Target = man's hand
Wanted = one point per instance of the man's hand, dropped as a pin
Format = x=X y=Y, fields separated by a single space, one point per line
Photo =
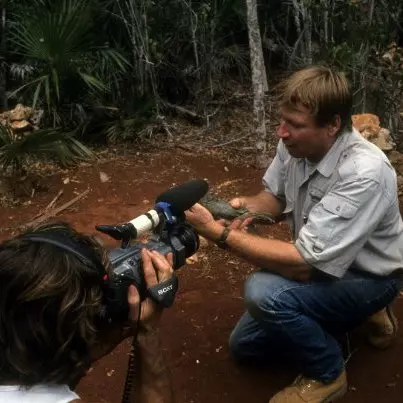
x=239 y=202
x=263 y=202
x=200 y=218
x=157 y=269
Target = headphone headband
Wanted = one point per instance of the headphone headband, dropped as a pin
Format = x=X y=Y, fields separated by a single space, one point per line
x=66 y=243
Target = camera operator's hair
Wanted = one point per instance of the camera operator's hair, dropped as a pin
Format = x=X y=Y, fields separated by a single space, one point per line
x=49 y=303
x=323 y=91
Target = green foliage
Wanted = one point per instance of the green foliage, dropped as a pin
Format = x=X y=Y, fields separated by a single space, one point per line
x=58 y=42
x=43 y=145
x=106 y=66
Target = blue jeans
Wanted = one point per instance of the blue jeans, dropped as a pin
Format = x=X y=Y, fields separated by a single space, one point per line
x=299 y=320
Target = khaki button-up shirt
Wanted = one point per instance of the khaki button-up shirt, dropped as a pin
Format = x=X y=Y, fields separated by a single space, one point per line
x=343 y=211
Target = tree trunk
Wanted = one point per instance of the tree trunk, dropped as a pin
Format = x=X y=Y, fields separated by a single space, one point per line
x=371 y=12
x=258 y=81
x=3 y=64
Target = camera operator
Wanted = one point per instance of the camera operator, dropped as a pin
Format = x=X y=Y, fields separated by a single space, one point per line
x=51 y=327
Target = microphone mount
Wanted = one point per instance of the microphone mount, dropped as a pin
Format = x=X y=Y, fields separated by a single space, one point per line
x=124 y=232
x=119 y=232
x=168 y=211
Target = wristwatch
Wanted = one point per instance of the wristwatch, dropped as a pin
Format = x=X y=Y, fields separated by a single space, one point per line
x=222 y=241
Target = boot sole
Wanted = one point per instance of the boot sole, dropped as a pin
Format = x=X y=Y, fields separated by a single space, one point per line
x=336 y=395
x=388 y=342
x=392 y=319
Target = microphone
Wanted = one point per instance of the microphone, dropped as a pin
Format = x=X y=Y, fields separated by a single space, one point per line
x=180 y=198
x=169 y=205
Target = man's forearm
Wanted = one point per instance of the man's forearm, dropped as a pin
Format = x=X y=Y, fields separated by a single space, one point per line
x=265 y=202
x=153 y=383
x=276 y=256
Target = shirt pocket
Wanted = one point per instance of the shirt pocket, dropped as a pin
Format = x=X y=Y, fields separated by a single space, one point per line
x=339 y=206
x=333 y=230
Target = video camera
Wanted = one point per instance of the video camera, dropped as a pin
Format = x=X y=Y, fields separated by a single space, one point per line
x=170 y=234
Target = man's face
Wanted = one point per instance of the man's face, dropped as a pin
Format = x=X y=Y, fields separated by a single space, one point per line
x=302 y=136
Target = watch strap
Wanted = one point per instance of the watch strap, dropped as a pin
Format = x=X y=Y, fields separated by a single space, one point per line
x=222 y=241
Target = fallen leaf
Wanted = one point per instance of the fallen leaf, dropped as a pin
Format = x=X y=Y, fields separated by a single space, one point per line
x=66 y=181
x=104 y=177
x=192 y=259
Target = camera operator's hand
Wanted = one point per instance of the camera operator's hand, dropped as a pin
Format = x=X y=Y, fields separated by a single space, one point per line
x=157 y=269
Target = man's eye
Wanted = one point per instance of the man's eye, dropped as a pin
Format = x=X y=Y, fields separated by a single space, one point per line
x=296 y=125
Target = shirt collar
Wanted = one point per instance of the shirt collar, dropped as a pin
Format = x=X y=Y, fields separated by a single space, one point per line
x=328 y=163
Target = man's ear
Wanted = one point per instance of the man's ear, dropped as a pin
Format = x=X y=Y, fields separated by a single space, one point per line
x=334 y=126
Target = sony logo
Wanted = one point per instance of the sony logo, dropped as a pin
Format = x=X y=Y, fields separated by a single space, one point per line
x=165 y=289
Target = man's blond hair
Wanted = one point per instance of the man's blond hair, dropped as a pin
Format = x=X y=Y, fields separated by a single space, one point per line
x=323 y=91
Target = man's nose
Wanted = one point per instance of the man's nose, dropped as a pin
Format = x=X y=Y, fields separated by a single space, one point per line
x=282 y=131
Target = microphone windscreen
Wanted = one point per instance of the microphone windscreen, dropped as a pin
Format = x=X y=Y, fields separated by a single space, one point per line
x=184 y=196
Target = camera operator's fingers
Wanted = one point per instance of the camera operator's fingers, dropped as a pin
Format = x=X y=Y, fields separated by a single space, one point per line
x=133 y=299
x=150 y=275
x=162 y=265
x=170 y=258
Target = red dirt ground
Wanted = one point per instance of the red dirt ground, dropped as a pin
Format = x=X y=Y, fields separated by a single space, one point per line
x=209 y=303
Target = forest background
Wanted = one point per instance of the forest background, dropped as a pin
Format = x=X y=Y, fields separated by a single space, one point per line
x=107 y=72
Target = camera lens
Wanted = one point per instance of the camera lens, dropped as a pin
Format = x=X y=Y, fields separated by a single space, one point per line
x=189 y=238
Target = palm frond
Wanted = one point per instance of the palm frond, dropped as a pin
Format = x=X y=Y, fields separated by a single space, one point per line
x=59 y=45
x=42 y=145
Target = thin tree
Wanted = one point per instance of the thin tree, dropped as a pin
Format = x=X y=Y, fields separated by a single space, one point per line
x=3 y=63
x=259 y=83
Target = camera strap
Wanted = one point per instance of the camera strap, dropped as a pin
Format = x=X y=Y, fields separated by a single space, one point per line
x=164 y=293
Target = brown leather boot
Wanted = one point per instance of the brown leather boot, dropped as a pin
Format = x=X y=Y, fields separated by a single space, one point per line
x=382 y=328
x=305 y=390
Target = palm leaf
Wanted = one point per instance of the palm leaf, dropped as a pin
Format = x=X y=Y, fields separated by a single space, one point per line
x=43 y=145
x=59 y=40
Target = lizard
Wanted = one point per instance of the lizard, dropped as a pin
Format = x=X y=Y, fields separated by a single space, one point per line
x=220 y=209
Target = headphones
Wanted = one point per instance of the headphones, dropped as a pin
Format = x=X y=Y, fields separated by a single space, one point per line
x=66 y=243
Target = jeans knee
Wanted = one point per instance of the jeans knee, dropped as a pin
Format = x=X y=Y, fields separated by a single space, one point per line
x=264 y=293
x=235 y=344
x=242 y=345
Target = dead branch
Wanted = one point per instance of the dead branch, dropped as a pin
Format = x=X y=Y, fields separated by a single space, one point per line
x=190 y=115
x=50 y=205
x=229 y=141
x=49 y=214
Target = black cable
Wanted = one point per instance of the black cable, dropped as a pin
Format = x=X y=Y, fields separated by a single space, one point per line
x=131 y=367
